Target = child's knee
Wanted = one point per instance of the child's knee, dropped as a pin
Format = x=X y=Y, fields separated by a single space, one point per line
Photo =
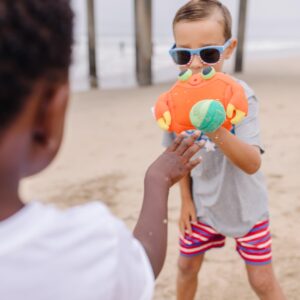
x=189 y=265
x=262 y=280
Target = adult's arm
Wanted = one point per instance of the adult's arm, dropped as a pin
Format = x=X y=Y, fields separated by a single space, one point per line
x=170 y=167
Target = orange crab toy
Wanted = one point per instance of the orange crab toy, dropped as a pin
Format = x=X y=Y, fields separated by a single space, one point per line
x=172 y=109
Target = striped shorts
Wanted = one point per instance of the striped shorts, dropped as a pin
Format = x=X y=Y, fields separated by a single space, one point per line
x=254 y=247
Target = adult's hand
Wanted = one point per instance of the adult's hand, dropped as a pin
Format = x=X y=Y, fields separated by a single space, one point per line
x=175 y=163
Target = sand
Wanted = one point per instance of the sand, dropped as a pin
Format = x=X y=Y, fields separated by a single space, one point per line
x=111 y=138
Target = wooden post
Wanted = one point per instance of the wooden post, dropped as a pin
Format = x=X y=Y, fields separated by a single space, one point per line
x=143 y=41
x=92 y=44
x=241 y=36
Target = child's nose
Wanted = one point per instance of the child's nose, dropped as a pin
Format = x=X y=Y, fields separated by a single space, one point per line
x=196 y=64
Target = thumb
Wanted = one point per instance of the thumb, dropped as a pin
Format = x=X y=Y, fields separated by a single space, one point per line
x=193 y=216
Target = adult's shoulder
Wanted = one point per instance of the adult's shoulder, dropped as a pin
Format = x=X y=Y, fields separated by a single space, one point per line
x=91 y=220
x=91 y=211
x=111 y=246
x=86 y=244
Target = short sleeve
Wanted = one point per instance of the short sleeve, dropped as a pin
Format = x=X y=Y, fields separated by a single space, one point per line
x=120 y=263
x=135 y=277
x=167 y=138
x=249 y=129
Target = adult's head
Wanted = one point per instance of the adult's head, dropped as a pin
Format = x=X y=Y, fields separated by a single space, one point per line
x=35 y=54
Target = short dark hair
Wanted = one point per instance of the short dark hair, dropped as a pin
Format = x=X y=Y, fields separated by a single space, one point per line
x=35 y=44
x=196 y=10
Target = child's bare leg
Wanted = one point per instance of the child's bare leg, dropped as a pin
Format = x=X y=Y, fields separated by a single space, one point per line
x=263 y=281
x=187 y=277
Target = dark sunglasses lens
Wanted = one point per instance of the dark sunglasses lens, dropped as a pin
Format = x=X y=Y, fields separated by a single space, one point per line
x=210 y=56
x=181 y=57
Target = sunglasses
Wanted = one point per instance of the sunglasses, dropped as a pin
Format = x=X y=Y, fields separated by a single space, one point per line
x=209 y=55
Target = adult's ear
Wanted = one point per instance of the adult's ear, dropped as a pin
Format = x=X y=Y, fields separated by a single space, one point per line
x=48 y=127
x=228 y=52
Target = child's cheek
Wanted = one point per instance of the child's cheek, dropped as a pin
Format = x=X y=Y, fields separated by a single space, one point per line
x=219 y=66
x=183 y=68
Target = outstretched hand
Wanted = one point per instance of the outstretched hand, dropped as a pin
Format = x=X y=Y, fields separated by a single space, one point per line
x=176 y=161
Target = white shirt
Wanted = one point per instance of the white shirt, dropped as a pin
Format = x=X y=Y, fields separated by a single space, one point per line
x=81 y=253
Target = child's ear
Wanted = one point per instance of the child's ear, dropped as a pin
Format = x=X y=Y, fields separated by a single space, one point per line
x=48 y=127
x=230 y=49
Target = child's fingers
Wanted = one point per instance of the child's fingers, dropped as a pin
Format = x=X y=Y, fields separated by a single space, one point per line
x=181 y=228
x=193 y=216
x=188 y=227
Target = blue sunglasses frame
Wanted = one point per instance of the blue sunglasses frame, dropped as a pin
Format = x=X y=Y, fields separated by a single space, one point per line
x=197 y=51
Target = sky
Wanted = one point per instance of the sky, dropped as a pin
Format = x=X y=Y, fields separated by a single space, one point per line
x=272 y=18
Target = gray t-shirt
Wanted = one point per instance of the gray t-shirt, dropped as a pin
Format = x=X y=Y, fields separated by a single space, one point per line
x=225 y=197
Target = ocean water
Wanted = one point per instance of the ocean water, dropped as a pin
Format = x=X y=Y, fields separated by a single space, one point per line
x=272 y=30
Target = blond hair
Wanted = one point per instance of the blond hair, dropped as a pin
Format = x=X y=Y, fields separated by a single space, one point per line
x=196 y=10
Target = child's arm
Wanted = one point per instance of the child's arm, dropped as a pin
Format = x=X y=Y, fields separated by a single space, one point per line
x=170 y=167
x=188 y=211
x=245 y=156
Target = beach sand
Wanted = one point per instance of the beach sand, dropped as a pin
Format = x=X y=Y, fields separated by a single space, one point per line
x=111 y=139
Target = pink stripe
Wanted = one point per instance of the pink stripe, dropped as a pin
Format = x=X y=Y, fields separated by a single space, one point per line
x=258 y=246
x=256 y=232
x=256 y=257
x=260 y=223
x=255 y=236
x=185 y=241
x=258 y=241
x=205 y=228
x=201 y=248
x=199 y=237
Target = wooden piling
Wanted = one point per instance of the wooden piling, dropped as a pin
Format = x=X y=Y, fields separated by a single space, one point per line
x=241 y=36
x=92 y=44
x=143 y=41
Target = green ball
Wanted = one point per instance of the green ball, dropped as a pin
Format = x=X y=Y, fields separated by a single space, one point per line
x=207 y=115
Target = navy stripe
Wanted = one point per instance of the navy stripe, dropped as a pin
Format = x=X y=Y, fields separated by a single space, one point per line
x=259 y=227
x=255 y=251
x=190 y=246
x=191 y=239
x=196 y=229
x=259 y=240
x=262 y=263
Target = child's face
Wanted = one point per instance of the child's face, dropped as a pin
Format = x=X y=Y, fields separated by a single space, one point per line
x=197 y=34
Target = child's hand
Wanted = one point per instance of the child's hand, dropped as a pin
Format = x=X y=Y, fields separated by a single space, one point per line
x=175 y=162
x=187 y=216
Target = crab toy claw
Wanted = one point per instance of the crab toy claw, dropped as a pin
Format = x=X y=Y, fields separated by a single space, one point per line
x=165 y=121
x=238 y=117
